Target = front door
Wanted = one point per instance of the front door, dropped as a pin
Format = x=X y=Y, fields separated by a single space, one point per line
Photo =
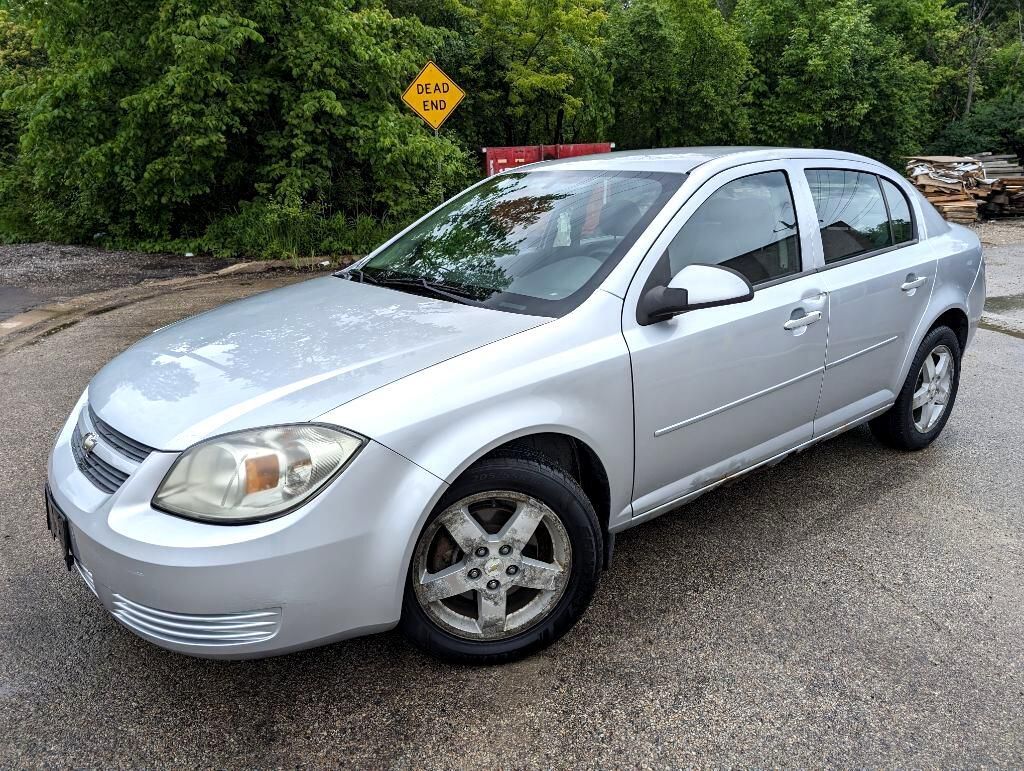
x=718 y=390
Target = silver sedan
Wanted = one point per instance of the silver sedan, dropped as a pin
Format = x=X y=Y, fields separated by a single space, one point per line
x=448 y=435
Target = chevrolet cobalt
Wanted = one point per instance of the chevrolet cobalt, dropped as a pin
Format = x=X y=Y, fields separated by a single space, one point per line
x=448 y=435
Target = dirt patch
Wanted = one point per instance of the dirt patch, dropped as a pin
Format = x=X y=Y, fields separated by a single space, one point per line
x=34 y=274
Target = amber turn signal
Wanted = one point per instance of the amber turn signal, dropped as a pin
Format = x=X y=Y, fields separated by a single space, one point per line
x=261 y=473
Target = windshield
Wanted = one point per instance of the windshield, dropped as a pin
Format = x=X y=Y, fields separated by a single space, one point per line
x=534 y=242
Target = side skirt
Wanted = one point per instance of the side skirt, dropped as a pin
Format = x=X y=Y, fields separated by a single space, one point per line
x=664 y=508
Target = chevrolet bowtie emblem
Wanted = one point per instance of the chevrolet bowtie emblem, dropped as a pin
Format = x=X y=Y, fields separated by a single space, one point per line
x=88 y=443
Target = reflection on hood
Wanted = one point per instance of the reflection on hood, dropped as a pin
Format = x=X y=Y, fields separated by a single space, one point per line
x=288 y=355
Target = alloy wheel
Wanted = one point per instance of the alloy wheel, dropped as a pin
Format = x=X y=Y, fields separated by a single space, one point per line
x=492 y=565
x=931 y=393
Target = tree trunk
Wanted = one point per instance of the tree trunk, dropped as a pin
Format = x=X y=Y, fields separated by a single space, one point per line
x=978 y=12
x=972 y=75
x=557 y=139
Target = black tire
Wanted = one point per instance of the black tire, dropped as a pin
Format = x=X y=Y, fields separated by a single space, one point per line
x=538 y=477
x=896 y=428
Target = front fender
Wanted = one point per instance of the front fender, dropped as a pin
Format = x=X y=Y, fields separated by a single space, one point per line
x=571 y=376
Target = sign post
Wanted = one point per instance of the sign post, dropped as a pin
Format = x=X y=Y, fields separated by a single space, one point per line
x=433 y=96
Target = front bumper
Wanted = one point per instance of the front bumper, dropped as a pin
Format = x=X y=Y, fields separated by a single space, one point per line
x=334 y=568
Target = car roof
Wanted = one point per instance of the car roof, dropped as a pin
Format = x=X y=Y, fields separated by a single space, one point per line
x=681 y=160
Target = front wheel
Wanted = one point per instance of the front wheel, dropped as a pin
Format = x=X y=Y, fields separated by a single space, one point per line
x=923 y=405
x=505 y=566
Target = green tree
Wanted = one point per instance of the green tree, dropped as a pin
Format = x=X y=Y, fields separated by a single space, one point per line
x=993 y=31
x=155 y=118
x=535 y=71
x=932 y=32
x=679 y=71
x=20 y=64
x=995 y=125
x=828 y=77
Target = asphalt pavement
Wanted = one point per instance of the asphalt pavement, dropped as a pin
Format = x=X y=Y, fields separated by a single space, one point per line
x=853 y=606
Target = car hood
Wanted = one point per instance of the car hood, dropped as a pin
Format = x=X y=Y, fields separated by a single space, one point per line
x=284 y=356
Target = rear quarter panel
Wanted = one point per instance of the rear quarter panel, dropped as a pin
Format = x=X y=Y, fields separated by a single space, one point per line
x=959 y=283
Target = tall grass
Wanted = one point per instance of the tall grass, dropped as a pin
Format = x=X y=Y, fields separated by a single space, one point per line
x=275 y=231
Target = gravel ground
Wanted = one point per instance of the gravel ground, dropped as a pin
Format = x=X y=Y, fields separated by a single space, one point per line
x=1003 y=232
x=850 y=607
x=33 y=274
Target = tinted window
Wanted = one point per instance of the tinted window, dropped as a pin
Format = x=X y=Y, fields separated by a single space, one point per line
x=899 y=212
x=748 y=225
x=851 y=212
x=536 y=242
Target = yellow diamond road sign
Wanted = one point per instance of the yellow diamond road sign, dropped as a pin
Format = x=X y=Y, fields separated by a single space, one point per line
x=433 y=95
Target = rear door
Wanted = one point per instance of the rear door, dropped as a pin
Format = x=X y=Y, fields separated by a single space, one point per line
x=878 y=277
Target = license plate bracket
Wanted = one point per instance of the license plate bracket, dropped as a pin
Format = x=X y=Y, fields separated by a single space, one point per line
x=58 y=526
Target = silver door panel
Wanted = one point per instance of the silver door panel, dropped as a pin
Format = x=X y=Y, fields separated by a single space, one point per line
x=720 y=389
x=723 y=388
x=877 y=304
x=876 y=307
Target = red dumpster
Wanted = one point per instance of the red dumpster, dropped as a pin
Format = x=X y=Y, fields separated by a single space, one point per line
x=500 y=158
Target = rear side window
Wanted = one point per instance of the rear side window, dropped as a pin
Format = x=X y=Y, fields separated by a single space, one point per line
x=747 y=225
x=852 y=215
x=899 y=212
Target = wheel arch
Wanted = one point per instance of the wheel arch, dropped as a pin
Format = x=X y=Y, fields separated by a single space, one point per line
x=574 y=456
x=952 y=313
x=562 y=446
x=956 y=319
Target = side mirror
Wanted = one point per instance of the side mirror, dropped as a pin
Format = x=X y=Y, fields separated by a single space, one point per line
x=695 y=286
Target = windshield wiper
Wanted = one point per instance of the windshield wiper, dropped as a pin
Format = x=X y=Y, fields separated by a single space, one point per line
x=354 y=274
x=436 y=288
x=417 y=285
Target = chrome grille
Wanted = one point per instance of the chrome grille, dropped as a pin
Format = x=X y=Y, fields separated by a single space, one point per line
x=103 y=475
x=127 y=446
x=114 y=456
x=192 y=629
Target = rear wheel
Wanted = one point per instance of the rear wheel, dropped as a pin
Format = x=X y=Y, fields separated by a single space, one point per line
x=505 y=566
x=923 y=405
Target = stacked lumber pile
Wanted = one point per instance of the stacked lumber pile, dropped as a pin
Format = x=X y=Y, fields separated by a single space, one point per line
x=999 y=166
x=954 y=185
x=1006 y=197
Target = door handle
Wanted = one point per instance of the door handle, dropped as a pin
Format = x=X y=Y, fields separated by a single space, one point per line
x=804 y=321
x=913 y=284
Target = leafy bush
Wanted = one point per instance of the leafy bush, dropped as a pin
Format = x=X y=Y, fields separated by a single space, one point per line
x=20 y=64
x=996 y=125
x=826 y=76
x=275 y=127
x=535 y=72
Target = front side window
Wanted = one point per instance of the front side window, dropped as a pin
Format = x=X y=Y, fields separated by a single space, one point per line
x=748 y=225
x=852 y=217
x=532 y=242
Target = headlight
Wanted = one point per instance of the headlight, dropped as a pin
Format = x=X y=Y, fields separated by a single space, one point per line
x=255 y=475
